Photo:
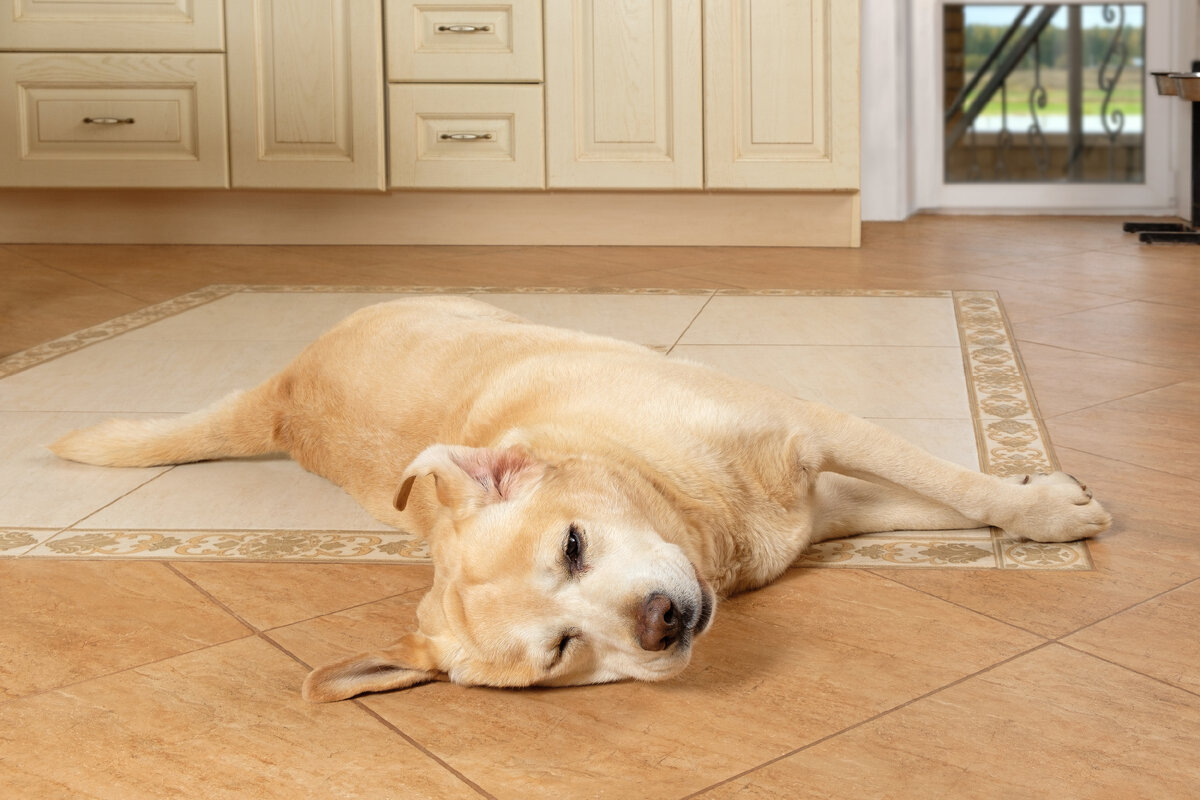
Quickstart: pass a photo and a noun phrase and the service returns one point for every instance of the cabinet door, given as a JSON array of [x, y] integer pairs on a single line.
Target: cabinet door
[[623, 94], [306, 94], [781, 94], [156, 25]]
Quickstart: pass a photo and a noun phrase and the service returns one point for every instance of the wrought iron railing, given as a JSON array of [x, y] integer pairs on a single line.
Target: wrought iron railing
[[1064, 159]]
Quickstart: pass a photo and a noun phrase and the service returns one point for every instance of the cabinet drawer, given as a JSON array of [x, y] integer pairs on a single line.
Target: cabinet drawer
[[106, 25], [112, 120], [449, 136], [441, 40]]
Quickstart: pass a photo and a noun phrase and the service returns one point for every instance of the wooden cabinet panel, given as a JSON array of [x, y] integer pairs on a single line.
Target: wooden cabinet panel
[[306, 94], [448, 40], [781, 94], [92, 120], [459, 136], [111, 25], [623, 96]]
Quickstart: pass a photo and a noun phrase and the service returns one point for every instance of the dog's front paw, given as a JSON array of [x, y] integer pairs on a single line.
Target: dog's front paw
[[1055, 508]]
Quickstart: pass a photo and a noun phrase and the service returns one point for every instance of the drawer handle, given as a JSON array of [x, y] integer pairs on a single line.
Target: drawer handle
[[464, 28], [465, 137], [108, 120]]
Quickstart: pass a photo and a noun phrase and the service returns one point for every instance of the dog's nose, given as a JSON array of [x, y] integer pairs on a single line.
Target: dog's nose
[[659, 623]]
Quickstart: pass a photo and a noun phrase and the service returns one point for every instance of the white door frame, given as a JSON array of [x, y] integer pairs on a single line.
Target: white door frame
[[902, 135]]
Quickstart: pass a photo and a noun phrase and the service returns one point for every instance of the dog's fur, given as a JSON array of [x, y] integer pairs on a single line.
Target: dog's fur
[[585, 499]]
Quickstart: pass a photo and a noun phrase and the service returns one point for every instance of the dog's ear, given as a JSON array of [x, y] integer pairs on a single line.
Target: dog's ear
[[410, 661], [468, 478]]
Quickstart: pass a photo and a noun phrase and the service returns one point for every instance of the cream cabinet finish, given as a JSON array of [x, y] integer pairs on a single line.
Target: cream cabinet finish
[[306, 94], [623, 94], [781, 94], [112, 25], [108, 120], [446, 136], [450, 40]]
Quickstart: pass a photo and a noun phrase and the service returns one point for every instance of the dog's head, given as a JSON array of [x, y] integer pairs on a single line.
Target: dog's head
[[547, 574]]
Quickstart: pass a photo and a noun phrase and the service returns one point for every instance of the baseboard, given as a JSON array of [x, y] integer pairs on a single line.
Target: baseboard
[[780, 219]]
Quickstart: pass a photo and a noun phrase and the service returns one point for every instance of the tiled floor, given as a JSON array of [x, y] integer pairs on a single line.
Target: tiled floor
[[149, 680]]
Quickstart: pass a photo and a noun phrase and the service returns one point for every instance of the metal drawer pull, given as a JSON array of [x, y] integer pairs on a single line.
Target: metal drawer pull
[[464, 28], [465, 137], [108, 120]]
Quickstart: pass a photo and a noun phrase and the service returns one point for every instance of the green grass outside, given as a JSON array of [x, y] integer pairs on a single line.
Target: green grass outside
[[1127, 96]]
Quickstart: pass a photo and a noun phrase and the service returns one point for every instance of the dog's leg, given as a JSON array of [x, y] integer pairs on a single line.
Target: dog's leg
[[844, 506], [1045, 508], [241, 424]]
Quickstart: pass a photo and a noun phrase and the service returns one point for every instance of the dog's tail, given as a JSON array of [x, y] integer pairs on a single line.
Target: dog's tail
[[241, 424]]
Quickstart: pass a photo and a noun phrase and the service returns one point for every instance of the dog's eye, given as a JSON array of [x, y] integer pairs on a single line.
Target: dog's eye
[[573, 548], [559, 650]]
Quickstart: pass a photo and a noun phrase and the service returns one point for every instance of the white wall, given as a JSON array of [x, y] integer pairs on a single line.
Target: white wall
[[886, 147]]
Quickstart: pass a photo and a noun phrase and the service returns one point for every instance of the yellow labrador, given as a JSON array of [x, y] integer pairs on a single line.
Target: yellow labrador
[[586, 500]]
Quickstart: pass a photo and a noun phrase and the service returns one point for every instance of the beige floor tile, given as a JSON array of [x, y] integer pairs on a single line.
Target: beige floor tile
[[40, 490], [272, 492], [1141, 429], [221, 723], [1054, 723], [644, 319], [783, 666], [867, 381], [882, 321], [130, 376], [527, 266], [270, 595], [260, 317], [1069, 380], [1160, 638], [951, 439], [66, 622]]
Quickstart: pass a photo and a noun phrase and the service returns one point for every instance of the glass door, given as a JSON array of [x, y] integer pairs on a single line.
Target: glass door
[[1042, 106]]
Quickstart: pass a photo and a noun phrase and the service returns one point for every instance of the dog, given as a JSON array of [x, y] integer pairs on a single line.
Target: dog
[[586, 500]]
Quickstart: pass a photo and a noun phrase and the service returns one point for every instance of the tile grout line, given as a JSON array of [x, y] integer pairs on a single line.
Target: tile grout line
[[872, 718], [29, 553], [1127, 668], [692, 321], [1135, 465], [420, 748], [123, 670], [1126, 397], [1128, 608], [1045, 639], [264, 635], [67, 272], [209, 596], [268, 631]]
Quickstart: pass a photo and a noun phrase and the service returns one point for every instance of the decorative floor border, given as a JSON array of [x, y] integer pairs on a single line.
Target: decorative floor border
[[1009, 434]]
